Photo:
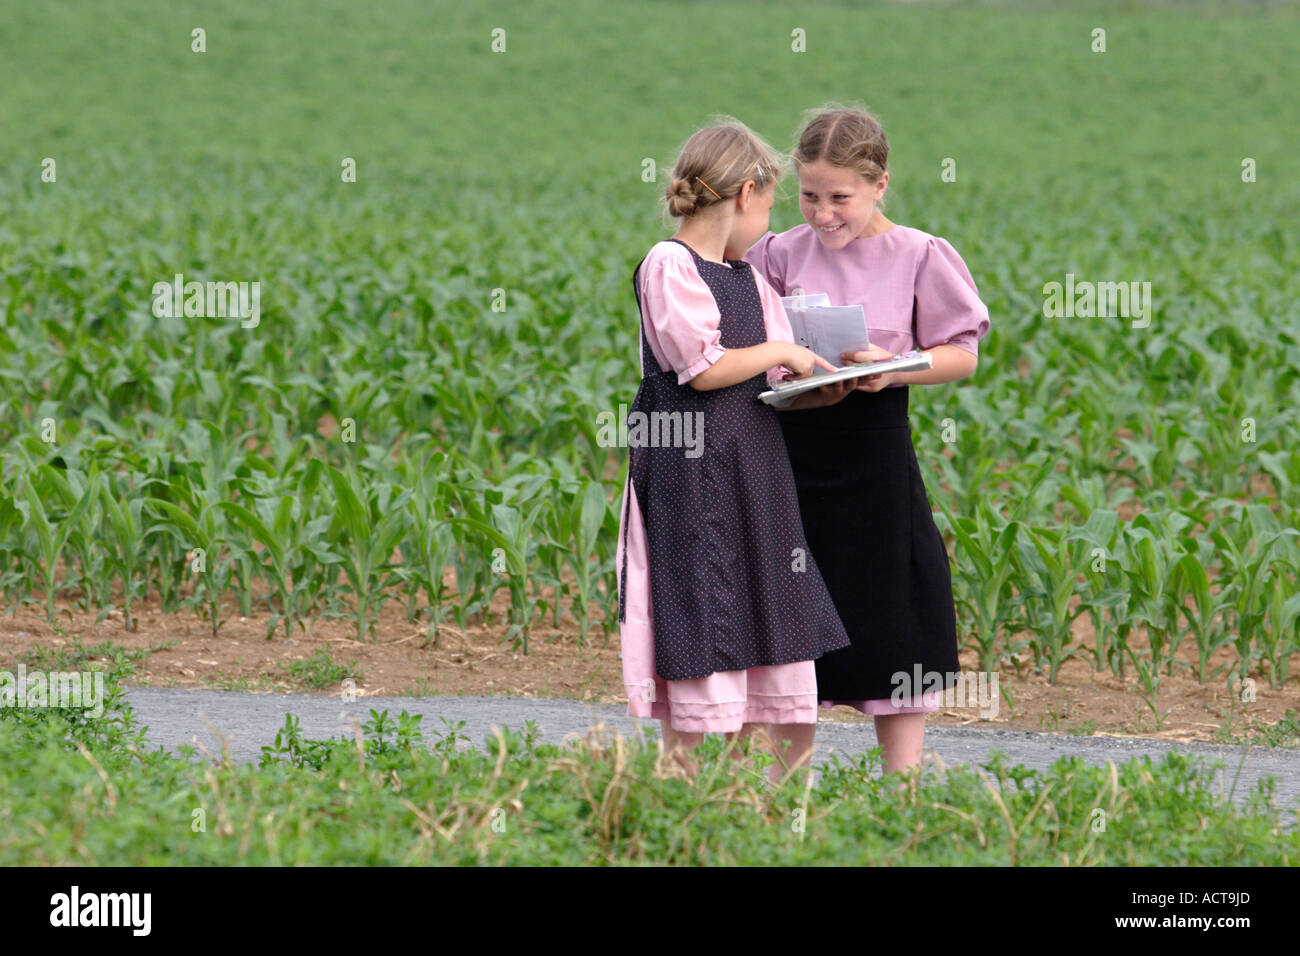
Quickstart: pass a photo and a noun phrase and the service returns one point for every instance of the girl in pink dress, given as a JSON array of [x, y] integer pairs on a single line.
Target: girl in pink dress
[[863, 502], [722, 610]]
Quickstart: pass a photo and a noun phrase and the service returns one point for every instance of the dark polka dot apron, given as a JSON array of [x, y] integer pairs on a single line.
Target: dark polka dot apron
[[732, 581]]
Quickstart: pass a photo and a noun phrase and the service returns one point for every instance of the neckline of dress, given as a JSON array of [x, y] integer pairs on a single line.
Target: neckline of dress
[[726, 263]]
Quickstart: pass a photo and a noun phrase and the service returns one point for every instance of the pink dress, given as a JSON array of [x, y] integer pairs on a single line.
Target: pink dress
[[681, 321], [900, 277]]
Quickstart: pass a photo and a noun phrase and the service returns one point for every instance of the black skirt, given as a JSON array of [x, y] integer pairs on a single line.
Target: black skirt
[[869, 526]]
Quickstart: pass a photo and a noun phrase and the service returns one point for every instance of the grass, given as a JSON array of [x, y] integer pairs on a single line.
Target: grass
[[261, 685], [421, 689], [321, 670], [1283, 733], [73, 655], [427, 798]]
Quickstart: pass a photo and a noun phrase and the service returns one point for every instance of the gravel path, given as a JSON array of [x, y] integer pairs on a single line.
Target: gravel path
[[251, 720]]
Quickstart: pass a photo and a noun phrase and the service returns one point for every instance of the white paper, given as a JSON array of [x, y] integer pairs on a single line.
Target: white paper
[[829, 330], [804, 301]]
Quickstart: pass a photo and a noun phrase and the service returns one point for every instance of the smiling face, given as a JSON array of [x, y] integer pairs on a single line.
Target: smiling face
[[837, 202]]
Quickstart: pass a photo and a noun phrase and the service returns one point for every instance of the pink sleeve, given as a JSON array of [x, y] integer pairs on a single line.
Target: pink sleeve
[[948, 307], [776, 322], [760, 257], [682, 315]]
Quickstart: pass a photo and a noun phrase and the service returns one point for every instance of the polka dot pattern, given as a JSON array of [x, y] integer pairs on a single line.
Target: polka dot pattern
[[733, 583]]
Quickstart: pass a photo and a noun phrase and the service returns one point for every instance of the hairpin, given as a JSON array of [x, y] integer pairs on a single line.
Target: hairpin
[[708, 187]]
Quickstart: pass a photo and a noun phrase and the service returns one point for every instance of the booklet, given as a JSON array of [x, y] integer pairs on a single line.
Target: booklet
[[829, 330], [784, 393]]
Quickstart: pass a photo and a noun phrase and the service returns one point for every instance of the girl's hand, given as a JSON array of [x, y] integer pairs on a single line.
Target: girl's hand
[[835, 391], [873, 354], [802, 361], [870, 383], [874, 383]]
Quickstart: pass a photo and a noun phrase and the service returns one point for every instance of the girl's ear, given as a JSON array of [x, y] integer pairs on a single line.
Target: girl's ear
[[746, 194]]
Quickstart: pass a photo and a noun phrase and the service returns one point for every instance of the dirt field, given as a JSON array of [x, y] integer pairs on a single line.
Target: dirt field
[[179, 650]]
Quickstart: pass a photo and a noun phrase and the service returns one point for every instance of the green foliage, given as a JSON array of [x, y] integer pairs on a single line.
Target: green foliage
[[437, 339], [85, 792], [321, 670]]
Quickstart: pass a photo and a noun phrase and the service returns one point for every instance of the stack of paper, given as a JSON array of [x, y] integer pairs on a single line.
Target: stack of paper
[[829, 330]]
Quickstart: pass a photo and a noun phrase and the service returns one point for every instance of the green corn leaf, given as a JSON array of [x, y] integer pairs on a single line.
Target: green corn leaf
[[257, 528]]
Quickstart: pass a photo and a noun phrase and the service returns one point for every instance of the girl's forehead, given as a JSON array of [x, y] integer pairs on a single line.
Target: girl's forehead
[[822, 175]]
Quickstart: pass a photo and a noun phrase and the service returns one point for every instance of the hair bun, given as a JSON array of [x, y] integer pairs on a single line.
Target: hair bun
[[714, 165], [681, 198]]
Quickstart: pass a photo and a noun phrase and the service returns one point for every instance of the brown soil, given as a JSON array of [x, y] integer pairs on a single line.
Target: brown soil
[[401, 660]]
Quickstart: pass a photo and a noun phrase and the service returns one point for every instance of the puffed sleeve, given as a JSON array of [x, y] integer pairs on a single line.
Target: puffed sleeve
[[948, 307], [766, 264], [683, 315], [776, 322]]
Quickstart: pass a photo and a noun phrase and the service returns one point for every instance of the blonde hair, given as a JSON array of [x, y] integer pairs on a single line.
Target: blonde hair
[[715, 162], [845, 136]]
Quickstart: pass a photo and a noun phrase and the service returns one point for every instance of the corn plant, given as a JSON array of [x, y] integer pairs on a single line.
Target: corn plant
[[510, 529], [366, 526], [1148, 569], [49, 531], [427, 549], [466, 490], [1148, 673], [1284, 468], [581, 522], [426, 552], [1047, 561], [92, 574], [1250, 547], [293, 542], [983, 573], [1204, 621], [12, 576], [126, 534], [202, 534], [1281, 638], [1093, 549]]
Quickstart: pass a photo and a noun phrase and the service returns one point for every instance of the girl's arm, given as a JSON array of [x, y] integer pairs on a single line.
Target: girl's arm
[[948, 307], [737, 365], [951, 363]]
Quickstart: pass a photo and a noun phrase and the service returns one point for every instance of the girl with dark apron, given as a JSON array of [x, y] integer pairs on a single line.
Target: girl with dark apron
[[722, 608]]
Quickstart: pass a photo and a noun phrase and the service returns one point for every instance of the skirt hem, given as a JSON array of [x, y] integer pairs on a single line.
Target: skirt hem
[[726, 716]]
